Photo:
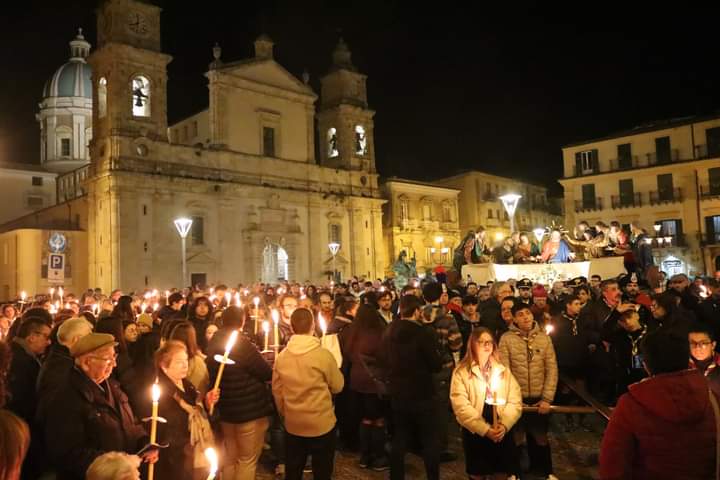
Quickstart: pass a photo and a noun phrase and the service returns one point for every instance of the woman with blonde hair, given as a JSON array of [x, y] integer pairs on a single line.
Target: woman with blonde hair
[[14, 442], [478, 381]]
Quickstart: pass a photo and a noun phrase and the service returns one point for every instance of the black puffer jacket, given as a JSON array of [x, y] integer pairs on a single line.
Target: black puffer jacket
[[53, 376], [244, 391]]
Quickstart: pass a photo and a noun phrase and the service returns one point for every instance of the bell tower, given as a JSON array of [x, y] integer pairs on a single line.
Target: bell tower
[[344, 120], [129, 73]]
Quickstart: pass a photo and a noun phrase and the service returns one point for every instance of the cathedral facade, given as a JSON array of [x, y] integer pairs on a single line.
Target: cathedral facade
[[262, 206]]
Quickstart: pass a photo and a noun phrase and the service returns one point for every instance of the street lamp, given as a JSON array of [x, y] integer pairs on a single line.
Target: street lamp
[[334, 248], [183, 227], [510, 202]]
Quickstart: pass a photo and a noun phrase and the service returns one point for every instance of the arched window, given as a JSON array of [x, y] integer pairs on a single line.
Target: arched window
[[427, 211], [360, 140], [102, 97], [332, 144], [140, 96], [64, 147]]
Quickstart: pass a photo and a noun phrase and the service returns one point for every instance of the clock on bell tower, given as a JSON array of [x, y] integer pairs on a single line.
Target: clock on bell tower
[[129, 75]]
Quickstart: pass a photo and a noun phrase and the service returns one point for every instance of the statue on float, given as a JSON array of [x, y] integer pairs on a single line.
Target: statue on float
[[404, 270], [472, 249], [556, 249]]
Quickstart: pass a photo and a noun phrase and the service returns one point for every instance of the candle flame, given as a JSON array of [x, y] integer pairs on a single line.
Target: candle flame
[[495, 380], [231, 341], [52, 291], [147, 295], [167, 293], [256, 301], [155, 392], [155, 293], [60, 291], [228, 297], [549, 329], [23, 295], [238, 303], [143, 307], [156, 306], [275, 315], [212, 458], [321, 322], [266, 327]]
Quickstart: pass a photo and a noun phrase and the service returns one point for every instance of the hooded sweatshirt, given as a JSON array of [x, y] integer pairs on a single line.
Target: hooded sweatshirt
[[304, 379], [663, 428]]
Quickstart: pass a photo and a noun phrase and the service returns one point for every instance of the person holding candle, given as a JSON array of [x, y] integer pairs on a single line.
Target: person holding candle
[[488, 448], [187, 430], [200, 314], [245, 403], [304, 379], [95, 416]]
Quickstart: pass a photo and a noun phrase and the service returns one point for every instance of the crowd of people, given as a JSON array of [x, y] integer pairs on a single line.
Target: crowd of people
[[295, 371]]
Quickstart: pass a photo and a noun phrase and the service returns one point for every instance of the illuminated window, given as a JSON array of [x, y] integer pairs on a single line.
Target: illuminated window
[[197, 231], [360, 140], [102, 97], [404, 209], [140, 96]]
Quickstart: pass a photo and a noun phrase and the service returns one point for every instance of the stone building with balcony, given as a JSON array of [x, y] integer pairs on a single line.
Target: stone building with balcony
[[422, 220], [479, 203], [664, 175]]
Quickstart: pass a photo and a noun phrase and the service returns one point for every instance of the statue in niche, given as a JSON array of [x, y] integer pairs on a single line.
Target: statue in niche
[[360, 141], [404, 270], [332, 146], [472, 249], [139, 92]]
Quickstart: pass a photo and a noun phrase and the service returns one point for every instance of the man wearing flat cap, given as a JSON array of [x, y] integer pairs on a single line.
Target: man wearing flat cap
[[91, 415]]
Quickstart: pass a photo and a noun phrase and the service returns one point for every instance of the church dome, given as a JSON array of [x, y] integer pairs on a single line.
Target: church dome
[[73, 79]]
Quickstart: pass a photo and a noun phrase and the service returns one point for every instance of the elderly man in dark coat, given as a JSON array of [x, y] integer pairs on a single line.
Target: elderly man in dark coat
[[94, 415]]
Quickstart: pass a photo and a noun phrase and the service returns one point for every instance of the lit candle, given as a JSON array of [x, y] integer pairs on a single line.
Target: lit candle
[[60, 292], [155, 293], [223, 361], [228, 297], [549, 329], [156, 306], [321, 322], [95, 308], [213, 460], [266, 330], [23, 296], [147, 296], [256, 301], [238, 302], [52, 292], [494, 387], [153, 423], [276, 333], [212, 290]]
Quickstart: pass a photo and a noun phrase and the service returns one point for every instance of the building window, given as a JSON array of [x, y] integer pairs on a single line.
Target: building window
[[662, 150], [185, 133], [712, 228], [427, 211], [588, 196], [102, 97], [334, 233], [490, 214], [627, 192], [332, 143], [586, 162], [195, 129], [671, 228], [447, 212], [665, 187], [624, 152], [140, 96], [197, 231], [37, 181], [64, 147], [712, 136], [404, 209], [268, 141]]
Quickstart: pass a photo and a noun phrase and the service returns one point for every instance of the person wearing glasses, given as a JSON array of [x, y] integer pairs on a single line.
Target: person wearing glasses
[[702, 354], [288, 304], [93, 415]]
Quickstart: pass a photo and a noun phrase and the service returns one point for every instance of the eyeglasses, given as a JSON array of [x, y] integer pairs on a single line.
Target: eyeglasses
[[107, 361], [704, 344]]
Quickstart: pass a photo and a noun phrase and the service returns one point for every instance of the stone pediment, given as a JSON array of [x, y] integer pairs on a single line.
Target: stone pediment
[[201, 258], [269, 73], [339, 260]]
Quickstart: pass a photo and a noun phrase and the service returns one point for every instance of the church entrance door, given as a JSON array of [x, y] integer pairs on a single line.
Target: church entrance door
[[275, 263]]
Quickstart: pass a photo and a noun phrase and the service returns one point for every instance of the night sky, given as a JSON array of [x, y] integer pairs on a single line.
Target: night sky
[[500, 90]]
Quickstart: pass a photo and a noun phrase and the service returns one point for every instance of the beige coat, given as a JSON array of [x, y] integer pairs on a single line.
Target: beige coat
[[304, 379], [467, 396], [537, 374]]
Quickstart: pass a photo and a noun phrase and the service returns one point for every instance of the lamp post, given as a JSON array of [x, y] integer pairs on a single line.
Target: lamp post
[[510, 202], [183, 227], [334, 248]]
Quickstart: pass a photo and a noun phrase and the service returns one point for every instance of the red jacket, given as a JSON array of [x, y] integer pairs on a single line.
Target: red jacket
[[663, 428]]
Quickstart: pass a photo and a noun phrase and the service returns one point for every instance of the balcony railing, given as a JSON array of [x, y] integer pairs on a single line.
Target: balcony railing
[[626, 201], [71, 184], [624, 163], [658, 197], [702, 151], [635, 161], [709, 191], [712, 238], [665, 241], [588, 205]]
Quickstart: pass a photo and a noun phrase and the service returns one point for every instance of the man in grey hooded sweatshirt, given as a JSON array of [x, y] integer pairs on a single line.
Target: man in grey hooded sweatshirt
[[304, 379]]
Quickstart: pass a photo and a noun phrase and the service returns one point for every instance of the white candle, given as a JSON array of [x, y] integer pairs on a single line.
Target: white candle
[[256, 301], [228, 297], [61, 293], [266, 330], [228, 346], [276, 334], [213, 460], [153, 424]]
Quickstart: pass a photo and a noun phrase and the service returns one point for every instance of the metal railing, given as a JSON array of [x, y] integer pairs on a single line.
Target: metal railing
[[624, 163], [626, 201], [588, 205], [709, 191], [71, 184], [658, 197]]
